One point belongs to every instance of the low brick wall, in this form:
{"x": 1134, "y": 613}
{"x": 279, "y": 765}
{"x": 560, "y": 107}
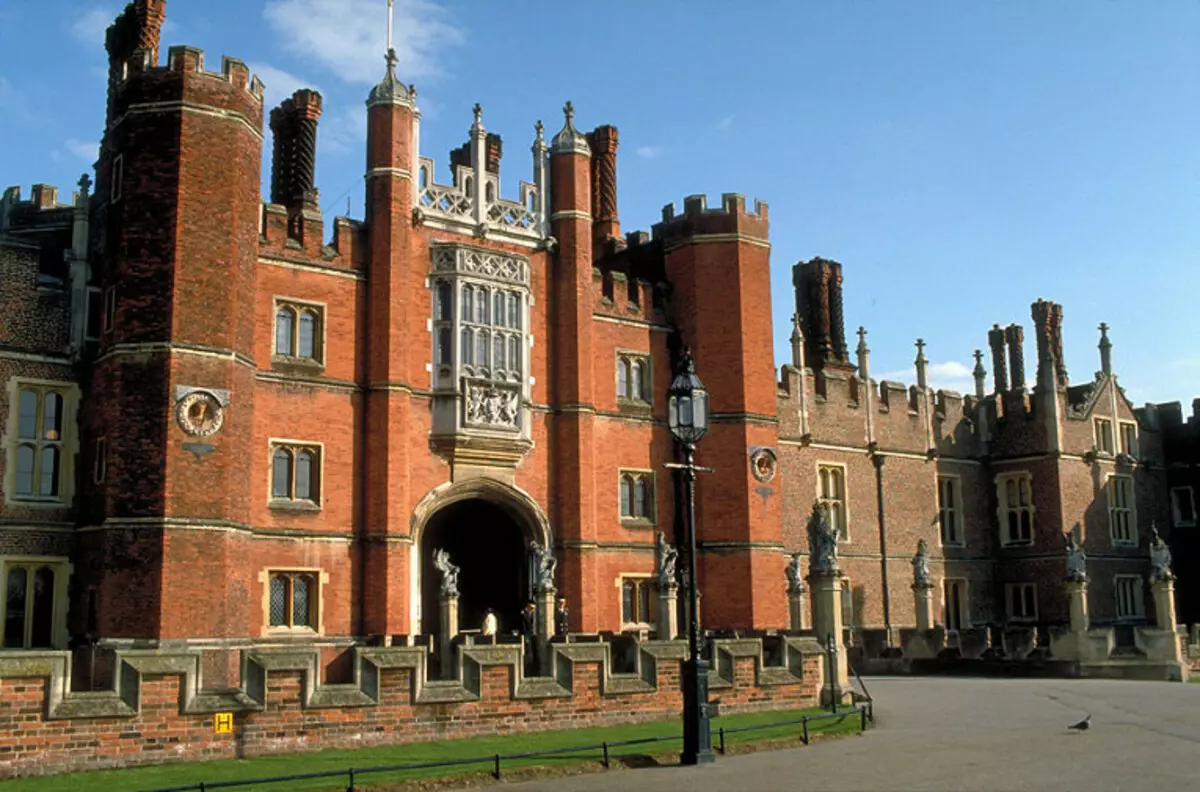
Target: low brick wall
{"x": 159, "y": 712}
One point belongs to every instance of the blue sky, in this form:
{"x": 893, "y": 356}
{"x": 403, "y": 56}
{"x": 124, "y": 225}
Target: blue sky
{"x": 961, "y": 159}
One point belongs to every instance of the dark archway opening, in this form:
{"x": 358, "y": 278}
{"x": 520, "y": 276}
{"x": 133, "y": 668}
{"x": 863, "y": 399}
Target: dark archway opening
{"x": 488, "y": 545}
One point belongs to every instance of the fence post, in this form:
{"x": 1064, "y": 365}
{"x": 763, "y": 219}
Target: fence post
{"x": 605, "y": 744}
{"x": 497, "y": 773}
{"x": 721, "y": 733}
{"x": 804, "y": 722}
{"x": 830, "y": 651}
{"x": 351, "y": 787}
{"x": 862, "y": 719}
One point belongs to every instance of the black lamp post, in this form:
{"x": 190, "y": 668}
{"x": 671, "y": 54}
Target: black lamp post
{"x": 687, "y": 415}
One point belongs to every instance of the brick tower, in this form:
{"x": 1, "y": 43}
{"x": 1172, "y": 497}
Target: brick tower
{"x": 178, "y": 191}
{"x": 718, "y": 262}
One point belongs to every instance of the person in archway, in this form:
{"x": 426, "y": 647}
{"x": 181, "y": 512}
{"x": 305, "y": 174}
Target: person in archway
{"x": 528, "y": 630}
{"x": 490, "y": 627}
{"x": 561, "y": 617}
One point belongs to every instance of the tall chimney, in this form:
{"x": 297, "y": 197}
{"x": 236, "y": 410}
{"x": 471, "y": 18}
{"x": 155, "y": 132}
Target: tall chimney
{"x": 1015, "y": 336}
{"x": 294, "y": 161}
{"x": 999, "y": 366}
{"x": 138, "y": 27}
{"x": 605, "y": 225}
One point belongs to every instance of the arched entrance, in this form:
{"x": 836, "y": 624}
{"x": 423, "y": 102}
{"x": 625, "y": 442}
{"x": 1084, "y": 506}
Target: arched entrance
{"x": 490, "y": 549}
{"x": 486, "y": 526}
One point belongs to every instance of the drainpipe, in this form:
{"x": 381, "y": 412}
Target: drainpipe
{"x": 878, "y": 459}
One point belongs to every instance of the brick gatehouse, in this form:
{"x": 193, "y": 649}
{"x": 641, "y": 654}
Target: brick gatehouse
{"x": 230, "y": 423}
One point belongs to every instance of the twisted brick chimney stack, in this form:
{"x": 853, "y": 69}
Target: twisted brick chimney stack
{"x": 818, "y": 286}
{"x": 605, "y": 225}
{"x": 1047, "y": 325}
{"x": 294, "y": 160}
{"x": 137, "y": 29}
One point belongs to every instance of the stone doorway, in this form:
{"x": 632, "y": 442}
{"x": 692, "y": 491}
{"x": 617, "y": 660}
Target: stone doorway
{"x": 491, "y": 549}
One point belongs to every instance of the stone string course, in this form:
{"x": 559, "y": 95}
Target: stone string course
{"x": 159, "y": 713}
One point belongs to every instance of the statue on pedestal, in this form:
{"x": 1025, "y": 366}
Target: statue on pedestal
{"x": 666, "y": 558}
{"x": 1160, "y": 557}
{"x": 822, "y": 542}
{"x": 920, "y": 564}
{"x": 1076, "y": 557}
{"x": 544, "y": 566}
{"x": 442, "y": 563}
{"x": 794, "y": 577}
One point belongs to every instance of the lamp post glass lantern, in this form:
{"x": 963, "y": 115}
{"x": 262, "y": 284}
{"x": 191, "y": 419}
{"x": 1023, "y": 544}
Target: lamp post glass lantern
{"x": 687, "y": 415}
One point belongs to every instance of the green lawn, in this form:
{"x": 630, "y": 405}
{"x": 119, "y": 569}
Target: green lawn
{"x": 146, "y": 778}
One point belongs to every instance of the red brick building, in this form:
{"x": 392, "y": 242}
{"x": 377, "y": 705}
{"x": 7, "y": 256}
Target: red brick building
{"x": 225, "y": 422}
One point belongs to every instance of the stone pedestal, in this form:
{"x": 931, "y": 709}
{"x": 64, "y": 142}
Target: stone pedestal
{"x": 544, "y": 626}
{"x": 1163, "y": 590}
{"x": 796, "y": 609}
{"x": 826, "y": 591}
{"x": 667, "y": 616}
{"x": 1078, "y": 605}
{"x": 448, "y": 624}
{"x": 923, "y": 597}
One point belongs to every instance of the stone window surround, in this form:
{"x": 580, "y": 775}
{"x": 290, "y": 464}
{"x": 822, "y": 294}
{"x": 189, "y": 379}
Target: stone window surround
{"x": 629, "y": 358}
{"x": 297, "y": 306}
{"x": 321, "y": 579}
{"x": 1131, "y": 507}
{"x": 1176, "y": 513}
{"x": 964, "y": 600}
{"x": 63, "y": 568}
{"x": 1123, "y": 446}
{"x": 94, "y": 305}
{"x": 69, "y": 443}
{"x": 636, "y": 474}
{"x": 1002, "y": 510}
{"x": 116, "y": 179}
{"x": 1137, "y": 597}
{"x": 645, "y": 583}
{"x": 110, "y": 310}
{"x": 290, "y": 504}
{"x": 955, "y": 482}
{"x": 1102, "y": 436}
{"x": 99, "y": 460}
{"x": 1009, "y": 588}
{"x": 844, "y": 532}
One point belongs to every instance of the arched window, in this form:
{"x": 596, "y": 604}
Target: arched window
{"x": 469, "y": 186}
{"x": 481, "y": 307}
{"x": 16, "y": 587}
{"x": 626, "y": 496}
{"x": 48, "y": 486}
{"x": 27, "y": 416}
{"x": 304, "y": 476}
{"x": 423, "y": 177}
{"x": 498, "y": 308}
{"x": 281, "y": 474}
{"x": 301, "y": 612}
{"x": 531, "y": 201}
{"x": 641, "y": 498}
{"x": 622, "y": 378}
{"x": 467, "y": 342}
{"x": 514, "y": 353}
{"x": 635, "y": 390}
{"x": 29, "y": 606}
{"x": 514, "y": 311}
{"x": 445, "y": 301}
{"x": 467, "y": 303}
{"x": 279, "y": 608}
{"x": 284, "y": 328}
{"x": 498, "y": 348}
{"x": 482, "y": 348}
{"x": 443, "y": 344}
{"x": 41, "y": 633}
{"x": 24, "y": 472}
{"x": 307, "y": 348}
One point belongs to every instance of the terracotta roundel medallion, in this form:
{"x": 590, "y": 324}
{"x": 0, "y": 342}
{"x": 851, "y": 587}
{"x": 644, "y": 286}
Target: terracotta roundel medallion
{"x": 199, "y": 414}
{"x": 762, "y": 464}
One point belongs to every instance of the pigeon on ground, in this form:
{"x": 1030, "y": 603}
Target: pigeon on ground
{"x": 1083, "y": 725}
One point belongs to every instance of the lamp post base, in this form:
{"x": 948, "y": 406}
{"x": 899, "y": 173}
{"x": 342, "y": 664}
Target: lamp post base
{"x": 697, "y": 737}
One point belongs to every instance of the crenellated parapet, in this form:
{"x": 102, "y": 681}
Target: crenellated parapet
{"x": 629, "y": 278}
{"x": 232, "y": 89}
{"x": 697, "y": 220}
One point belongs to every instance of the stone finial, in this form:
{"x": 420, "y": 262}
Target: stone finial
{"x": 570, "y": 140}
{"x": 922, "y": 365}
{"x": 1105, "y": 350}
{"x": 539, "y": 141}
{"x": 477, "y": 129}
{"x": 980, "y": 374}
{"x": 864, "y": 355}
{"x": 797, "y": 340}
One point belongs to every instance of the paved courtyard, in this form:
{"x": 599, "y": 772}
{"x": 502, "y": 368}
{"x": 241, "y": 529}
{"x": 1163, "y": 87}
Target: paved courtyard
{"x": 969, "y": 734}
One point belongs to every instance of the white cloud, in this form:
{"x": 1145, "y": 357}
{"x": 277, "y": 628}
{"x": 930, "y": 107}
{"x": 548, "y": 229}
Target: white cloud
{"x": 725, "y": 123}
{"x": 86, "y": 151}
{"x": 278, "y": 84}
{"x": 343, "y": 131}
{"x": 89, "y": 26}
{"x": 950, "y": 375}
{"x": 648, "y": 152}
{"x": 349, "y": 36}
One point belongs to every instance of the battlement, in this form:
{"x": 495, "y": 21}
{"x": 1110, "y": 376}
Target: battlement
{"x": 697, "y": 219}
{"x": 630, "y": 278}
{"x": 182, "y": 59}
{"x": 43, "y": 207}
{"x": 304, "y": 240}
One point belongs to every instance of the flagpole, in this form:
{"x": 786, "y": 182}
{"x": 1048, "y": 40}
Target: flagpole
{"x": 389, "y": 28}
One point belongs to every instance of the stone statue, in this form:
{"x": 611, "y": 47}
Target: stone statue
{"x": 442, "y": 563}
{"x": 794, "y": 577}
{"x": 1160, "y": 557}
{"x": 1076, "y": 557}
{"x": 667, "y": 557}
{"x": 920, "y": 564}
{"x": 544, "y": 566}
{"x": 822, "y": 542}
